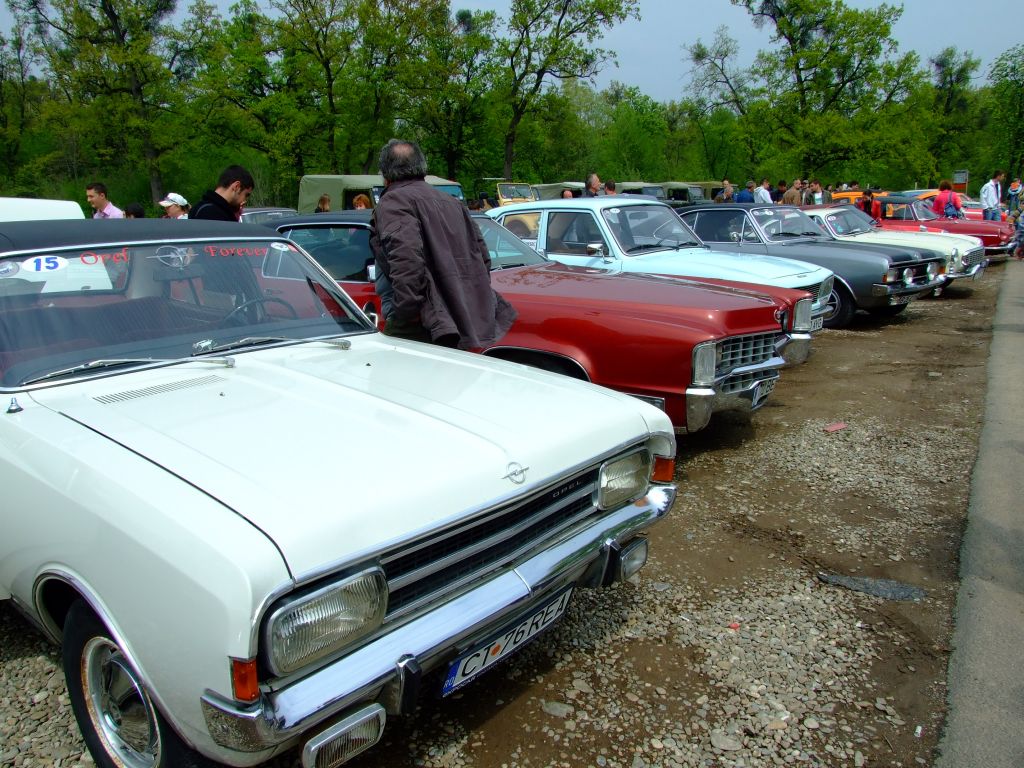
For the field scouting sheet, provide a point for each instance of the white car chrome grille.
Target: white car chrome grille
(446, 560)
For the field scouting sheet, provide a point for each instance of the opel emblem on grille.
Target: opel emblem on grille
(516, 473)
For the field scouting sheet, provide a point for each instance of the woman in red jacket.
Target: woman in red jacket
(947, 202)
(869, 205)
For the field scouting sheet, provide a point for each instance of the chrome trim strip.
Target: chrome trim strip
(482, 544)
(430, 638)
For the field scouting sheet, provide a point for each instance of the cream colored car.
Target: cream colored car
(965, 255)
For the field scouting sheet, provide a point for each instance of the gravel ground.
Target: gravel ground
(727, 649)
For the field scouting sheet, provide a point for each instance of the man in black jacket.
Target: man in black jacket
(433, 265)
(225, 202)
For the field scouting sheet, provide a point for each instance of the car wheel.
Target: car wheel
(839, 308)
(887, 311)
(121, 725)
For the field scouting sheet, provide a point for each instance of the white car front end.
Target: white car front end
(285, 544)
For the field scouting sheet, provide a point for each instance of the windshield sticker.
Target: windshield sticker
(220, 250)
(9, 268)
(833, 217)
(92, 257)
(763, 212)
(44, 264)
(615, 210)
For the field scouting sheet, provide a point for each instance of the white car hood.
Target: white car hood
(741, 267)
(335, 453)
(943, 243)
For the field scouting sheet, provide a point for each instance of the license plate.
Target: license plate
(761, 391)
(483, 657)
(904, 299)
(817, 323)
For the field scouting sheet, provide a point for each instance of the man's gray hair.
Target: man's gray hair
(400, 160)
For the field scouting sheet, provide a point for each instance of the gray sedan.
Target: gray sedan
(881, 280)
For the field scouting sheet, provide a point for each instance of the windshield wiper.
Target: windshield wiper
(495, 267)
(94, 365)
(206, 346)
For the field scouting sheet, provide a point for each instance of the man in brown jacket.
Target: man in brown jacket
(433, 265)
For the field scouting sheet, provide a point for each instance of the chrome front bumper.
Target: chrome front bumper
(389, 669)
(701, 402)
(974, 272)
(901, 293)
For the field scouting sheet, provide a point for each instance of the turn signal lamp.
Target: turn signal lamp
(245, 685)
(664, 469)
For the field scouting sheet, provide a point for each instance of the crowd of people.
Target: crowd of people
(223, 203)
(799, 192)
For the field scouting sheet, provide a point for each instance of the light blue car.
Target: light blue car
(630, 234)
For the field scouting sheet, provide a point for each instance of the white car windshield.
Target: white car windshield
(849, 221)
(639, 228)
(133, 303)
(780, 223)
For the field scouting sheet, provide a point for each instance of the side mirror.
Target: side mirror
(734, 236)
(371, 273)
(593, 249)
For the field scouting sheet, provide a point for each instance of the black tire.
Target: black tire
(890, 311)
(119, 721)
(841, 307)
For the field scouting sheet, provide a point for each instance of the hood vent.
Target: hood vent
(132, 394)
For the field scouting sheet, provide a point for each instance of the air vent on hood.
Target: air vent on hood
(131, 394)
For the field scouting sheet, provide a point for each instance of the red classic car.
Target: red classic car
(911, 215)
(690, 348)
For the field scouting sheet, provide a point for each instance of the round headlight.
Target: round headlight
(908, 275)
(933, 270)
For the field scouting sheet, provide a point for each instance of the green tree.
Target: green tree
(821, 95)
(449, 85)
(1007, 83)
(551, 40)
(108, 61)
(20, 97)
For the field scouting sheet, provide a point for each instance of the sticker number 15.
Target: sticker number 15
(43, 264)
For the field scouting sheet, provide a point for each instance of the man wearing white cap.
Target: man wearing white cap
(175, 205)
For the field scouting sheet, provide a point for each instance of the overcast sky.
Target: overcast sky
(651, 57)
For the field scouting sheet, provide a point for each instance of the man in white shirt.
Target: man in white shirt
(991, 194)
(763, 193)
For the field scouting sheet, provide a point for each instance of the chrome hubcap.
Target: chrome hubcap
(121, 712)
(831, 305)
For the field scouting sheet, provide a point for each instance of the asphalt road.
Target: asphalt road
(986, 673)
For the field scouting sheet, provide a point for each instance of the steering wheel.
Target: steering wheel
(228, 318)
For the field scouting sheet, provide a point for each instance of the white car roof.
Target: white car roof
(591, 203)
(31, 209)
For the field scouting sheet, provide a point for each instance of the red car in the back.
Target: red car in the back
(688, 347)
(910, 214)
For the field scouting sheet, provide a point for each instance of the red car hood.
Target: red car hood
(556, 289)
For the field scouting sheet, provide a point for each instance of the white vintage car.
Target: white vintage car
(964, 254)
(255, 523)
(630, 234)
